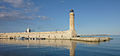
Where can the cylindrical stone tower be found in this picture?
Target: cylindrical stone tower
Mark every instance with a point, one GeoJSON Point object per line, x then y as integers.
{"type": "Point", "coordinates": [72, 25]}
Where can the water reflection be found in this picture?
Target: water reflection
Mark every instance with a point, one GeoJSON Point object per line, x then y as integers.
{"type": "Point", "coordinates": [68, 44]}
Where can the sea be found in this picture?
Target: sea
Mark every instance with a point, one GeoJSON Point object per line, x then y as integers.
{"type": "Point", "coordinates": [12, 47]}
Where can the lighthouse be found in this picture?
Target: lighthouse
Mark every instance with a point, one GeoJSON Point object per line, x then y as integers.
{"type": "Point", "coordinates": [72, 25]}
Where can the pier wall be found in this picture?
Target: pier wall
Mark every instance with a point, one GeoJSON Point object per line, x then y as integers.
{"type": "Point", "coordinates": [47, 35]}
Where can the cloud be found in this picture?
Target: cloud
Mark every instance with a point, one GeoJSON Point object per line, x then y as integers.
{"type": "Point", "coordinates": [17, 9]}
{"type": "Point", "coordinates": [18, 3]}
{"type": "Point", "coordinates": [20, 10]}
{"type": "Point", "coordinates": [14, 15]}
{"type": "Point", "coordinates": [15, 3]}
{"type": "Point", "coordinates": [2, 7]}
{"type": "Point", "coordinates": [17, 15]}
{"type": "Point", "coordinates": [62, 1]}
{"type": "Point", "coordinates": [44, 17]}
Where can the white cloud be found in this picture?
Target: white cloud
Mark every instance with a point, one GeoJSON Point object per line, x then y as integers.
{"type": "Point", "coordinates": [15, 3]}
{"type": "Point", "coordinates": [2, 7]}
{"type": "Point", "coordinates": [44, 17]}
{"type": "Point", "coordinates": [19, 3]}
{"type": "Point", "coordinates": [2, 15]}
{"type": "Point", "coordinates": [20, 9]}
{"type": "Point", "coordinates": [62, 1]}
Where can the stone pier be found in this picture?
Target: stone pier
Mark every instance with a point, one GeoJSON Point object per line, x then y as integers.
{"type": "Point", "coordinates": [68, 34]}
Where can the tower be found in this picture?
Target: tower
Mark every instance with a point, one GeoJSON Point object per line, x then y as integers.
{"type": "Point", "coordinates": [72, 25]}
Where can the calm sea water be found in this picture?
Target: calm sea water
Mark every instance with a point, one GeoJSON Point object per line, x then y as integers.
{"type": "Point", "coordinates": [59, 48]}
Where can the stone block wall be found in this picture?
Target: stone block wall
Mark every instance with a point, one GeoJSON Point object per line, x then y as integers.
{"type": "Point", "coordinates": [47, 35]}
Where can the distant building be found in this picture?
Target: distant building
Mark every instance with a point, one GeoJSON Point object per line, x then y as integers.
{"type": "Point", "coordinates": [28, 30]}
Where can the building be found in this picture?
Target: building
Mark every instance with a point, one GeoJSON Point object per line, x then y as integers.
{"type": "Point", "coordinates": [28, 30]}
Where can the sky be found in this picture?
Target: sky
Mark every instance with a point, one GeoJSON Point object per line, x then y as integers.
{"type": "Point", "coordinates": [91, 16]}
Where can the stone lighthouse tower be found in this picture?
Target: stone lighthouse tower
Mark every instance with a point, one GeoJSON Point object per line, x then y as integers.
{"type": "Point", "coordinates": [72, 25]}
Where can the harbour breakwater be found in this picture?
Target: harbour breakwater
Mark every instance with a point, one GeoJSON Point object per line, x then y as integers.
{"type": "Point", "coordinates": [69, 34]}
{"type": "Point", "coordinates": [60, 35]}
